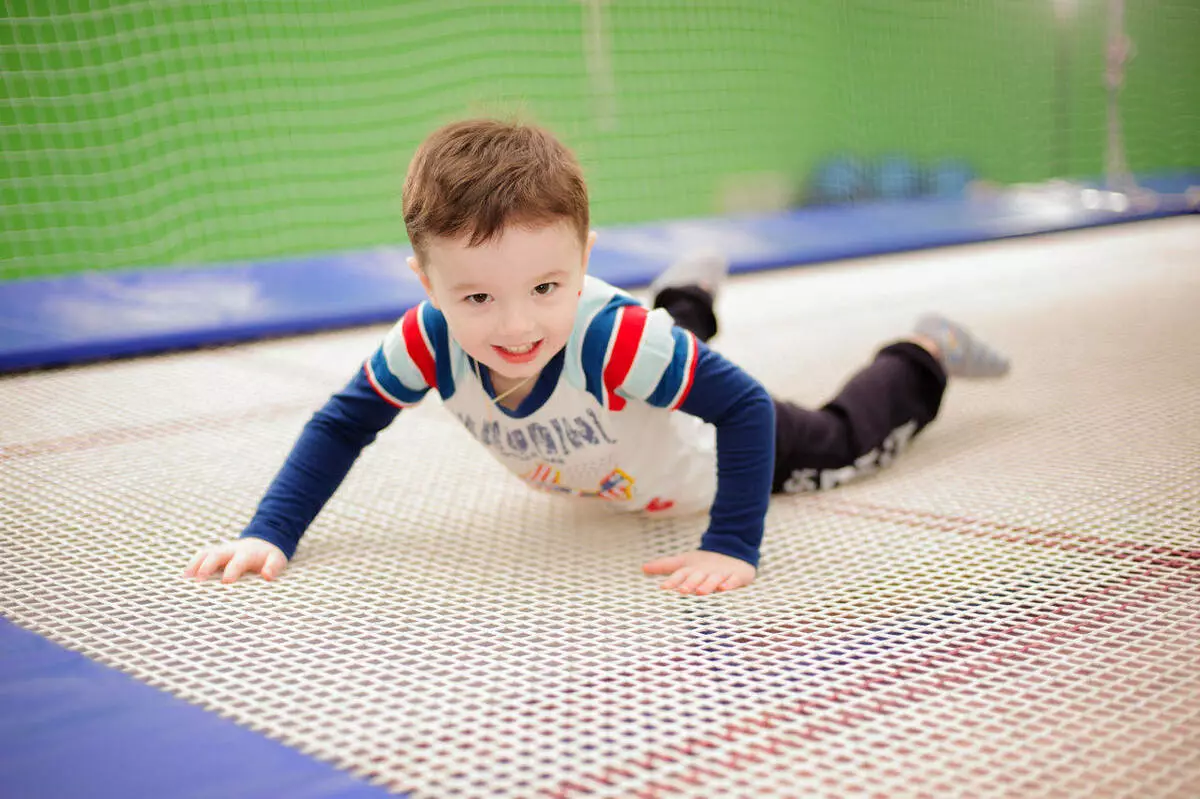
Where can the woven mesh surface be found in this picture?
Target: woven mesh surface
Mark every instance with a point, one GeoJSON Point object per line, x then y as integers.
{"type": "Point", "coordinates": [1012, 609]}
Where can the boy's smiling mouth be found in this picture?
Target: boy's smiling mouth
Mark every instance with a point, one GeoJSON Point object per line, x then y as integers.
{"type": "Point", "coordinates": [519, 354]}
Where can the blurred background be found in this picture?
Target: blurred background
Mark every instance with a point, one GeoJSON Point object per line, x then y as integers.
{"type": "Point", "coordinates": [144, 134]}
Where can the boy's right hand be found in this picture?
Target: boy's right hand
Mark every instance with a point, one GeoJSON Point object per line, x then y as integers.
{"type": "Point", "coordinates": [238, 557]}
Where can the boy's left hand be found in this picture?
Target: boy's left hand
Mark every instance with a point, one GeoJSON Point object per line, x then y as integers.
{"type": "Point", "coordinates": [701, 572]}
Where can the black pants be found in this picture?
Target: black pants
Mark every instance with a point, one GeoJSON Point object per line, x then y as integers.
{"type": "Point", "coordinates": [860, 431]}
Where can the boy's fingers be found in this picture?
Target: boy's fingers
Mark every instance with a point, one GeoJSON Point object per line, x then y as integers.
{"type": "Point", "coordinates": [711, 583]}
{"type": "Point", "coordinates": [733, 581]}
{"type": "Point", "coordinates": [237, 565]}
{"type": "Point", "coordinates": [213, 561]}
{"type": "Point", "coordinates": [693, 580]}
{"type": "Point", "coordinates": [274, 565]}
{"type": "Point", "coordinates": [663, 565]}
{"type": "Point", "coordinates": [190, 571]}
{"type": "Point", "coordinates": [678, 577]}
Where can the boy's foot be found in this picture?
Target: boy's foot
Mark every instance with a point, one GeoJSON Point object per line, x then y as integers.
{"type": "Point", "coordinates": [962, 354]}
{"type": "Point", "coordinates": [707, 270]}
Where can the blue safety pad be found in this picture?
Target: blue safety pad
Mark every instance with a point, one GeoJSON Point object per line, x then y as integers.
{"type": "Point", "coordinates": [71, 728]}
{"type": "Point", "coordinates": [89, 316]}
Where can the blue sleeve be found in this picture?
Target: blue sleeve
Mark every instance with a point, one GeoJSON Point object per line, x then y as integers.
{"type": "Point", "coordinates": [319, 462]}
{"type": "Point", "coordinates": [744, 415]}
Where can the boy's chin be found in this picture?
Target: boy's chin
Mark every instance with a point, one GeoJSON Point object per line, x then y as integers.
{"type": "Point", "coordinates": [508, 371]}
{"type": "Point", "coordinates": [523, 372]}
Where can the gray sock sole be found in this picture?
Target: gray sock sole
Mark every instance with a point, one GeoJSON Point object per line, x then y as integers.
{"type": "Point", "coordinates": [963, 354]}
{"type": "Point", "coordinates": [707, 269]}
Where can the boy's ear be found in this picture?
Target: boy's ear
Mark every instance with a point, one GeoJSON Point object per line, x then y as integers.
{"type": "Point", "coordinates": [587, 249]}
{"type": "Point", "coordinates": [415, 266]}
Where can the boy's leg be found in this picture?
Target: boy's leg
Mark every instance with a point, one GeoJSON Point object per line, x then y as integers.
{"type": "Point", "coordinates": [862, 429]}
{"type": "Point", "coordinates": [687, 290]}
{"type": "Point", "coordinates": [691, 307]}
{"type": "Point", "coordinates": [876, 413]}
{"type": "Point", "coordinates": [879, 410]}
{"type": "Point", "coordinates": [871, 419]}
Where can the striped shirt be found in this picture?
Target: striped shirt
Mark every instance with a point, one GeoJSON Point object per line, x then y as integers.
{"type": "Point", "coordinates": [599, 425]}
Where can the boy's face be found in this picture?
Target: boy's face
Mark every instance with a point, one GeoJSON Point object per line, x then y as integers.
{"type": "Point", "coordinates": [509, 303]}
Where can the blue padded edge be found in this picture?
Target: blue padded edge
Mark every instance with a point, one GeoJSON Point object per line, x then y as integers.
{"type": "Point", "coordinates": [82, 317]}
{"type": "Point", "coordinates": [72, 728]}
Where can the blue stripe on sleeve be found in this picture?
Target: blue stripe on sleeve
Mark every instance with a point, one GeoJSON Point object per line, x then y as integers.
{"type": "Point", "coordinates": [439, 339]}
{"type": "Point", "coordinates": [676, 372]}
{"type": "Point", "coordinates": [390, 383]}
{"type": "Point", "coordinates": [595, 347]}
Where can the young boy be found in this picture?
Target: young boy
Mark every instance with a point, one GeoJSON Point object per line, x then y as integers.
{"type": "Point", "coordinates": [575, 386]}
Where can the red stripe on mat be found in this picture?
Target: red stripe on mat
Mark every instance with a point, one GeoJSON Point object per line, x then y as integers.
{"type": "Point", "coordinates": [127, 435]}
{"type": "Point", "coordinates": [1135, 551]}
{"type": "Point", "coordinates": [994, 650]}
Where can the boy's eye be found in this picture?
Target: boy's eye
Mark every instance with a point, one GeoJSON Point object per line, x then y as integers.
{"type": "Point", "coordinates": [544, 288]}
{"type": "Point", "coordinates": [477, 299]}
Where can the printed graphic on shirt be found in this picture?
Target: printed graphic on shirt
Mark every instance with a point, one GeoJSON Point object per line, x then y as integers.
{"type": "Point", "coordinates": [617, 485]}
{"type": "Point", "coordinates": [549, 443]}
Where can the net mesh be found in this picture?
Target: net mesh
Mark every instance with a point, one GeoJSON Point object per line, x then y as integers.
{"type": "Point", "coordinates": [1012, 609]}
{"type": "Point", "coordinates": [199, 131]}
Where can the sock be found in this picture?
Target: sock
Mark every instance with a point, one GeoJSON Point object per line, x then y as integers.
{"type": "Point", "coordinates": [707, 270]}
{"type": "Point", "coordinates": [963, 355]}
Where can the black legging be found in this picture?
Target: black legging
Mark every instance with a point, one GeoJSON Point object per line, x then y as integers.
{"type": "Point", "coordinates": [860, 431]}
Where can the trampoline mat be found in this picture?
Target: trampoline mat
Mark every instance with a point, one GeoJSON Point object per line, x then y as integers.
{"type": "Point", "coordinates": [1012, 608]}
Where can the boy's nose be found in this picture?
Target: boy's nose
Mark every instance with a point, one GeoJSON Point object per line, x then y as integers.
{"type": "Point", "coordinates": [516, 322]}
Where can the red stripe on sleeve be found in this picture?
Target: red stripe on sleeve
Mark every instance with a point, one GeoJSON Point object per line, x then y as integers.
{"type": "Point", "coordinates": [418, 349]}
{"type": "Point", "coordinates": [693, 356]}
{"type": "Point", "coordinates": [630, 324]}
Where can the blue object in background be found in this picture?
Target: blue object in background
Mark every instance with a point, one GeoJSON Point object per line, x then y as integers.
{"type": "Point", "coordinates": [897, 178]}
{"type": "Point", "coordinates": [841, 179]}
{"type": "Point", "coordinates": [949, 178]}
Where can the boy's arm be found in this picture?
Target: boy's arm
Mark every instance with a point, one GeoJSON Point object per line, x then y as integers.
{"type": "Point", "coordinates": [398, 375]}
{"type": "Point", "coordinates": [631, 352]}
{"type": "Point", "coordinates": [403, 369]}
{"type": "Point", "coordinates": [743, 414]}
{"type": "Point", "coordinates": [322, 456]}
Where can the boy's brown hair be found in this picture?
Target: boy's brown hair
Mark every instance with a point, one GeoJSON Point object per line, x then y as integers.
{"type": "Point", "coordinates": [476, 177]}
